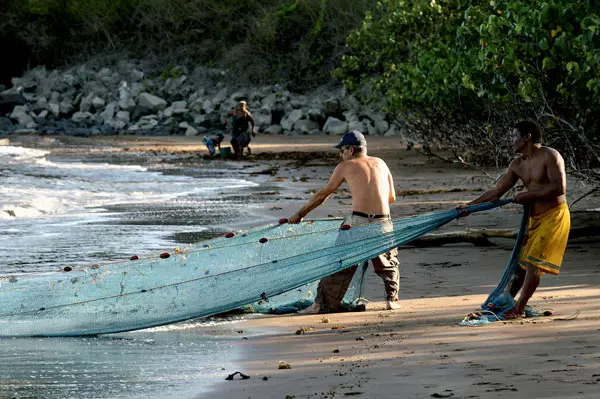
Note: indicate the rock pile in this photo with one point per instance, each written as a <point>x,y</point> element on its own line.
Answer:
<point>85,101</point>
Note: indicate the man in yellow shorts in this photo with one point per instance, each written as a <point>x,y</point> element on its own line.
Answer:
<point>542,171</point>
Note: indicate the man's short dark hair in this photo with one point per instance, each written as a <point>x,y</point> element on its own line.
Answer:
<point>530,128</point>
<point>357,148</point>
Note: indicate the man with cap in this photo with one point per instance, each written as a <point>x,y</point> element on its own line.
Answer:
<point>372,189</point>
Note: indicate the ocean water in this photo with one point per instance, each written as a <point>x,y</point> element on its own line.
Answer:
<point>181,361</point>
<point>73,210</point>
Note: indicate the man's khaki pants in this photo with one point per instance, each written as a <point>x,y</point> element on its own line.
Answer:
<point>332,288</point>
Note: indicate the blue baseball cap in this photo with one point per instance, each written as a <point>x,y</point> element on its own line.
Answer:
<point>352,138</point>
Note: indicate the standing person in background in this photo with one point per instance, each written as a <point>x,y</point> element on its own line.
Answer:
<point>240,138</point>
<point>372,189</point>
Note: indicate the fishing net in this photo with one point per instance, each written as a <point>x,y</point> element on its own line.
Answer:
<point>500,299</point>
<point>208,278</point>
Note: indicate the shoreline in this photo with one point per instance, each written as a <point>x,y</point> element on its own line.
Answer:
<point>418,350</point>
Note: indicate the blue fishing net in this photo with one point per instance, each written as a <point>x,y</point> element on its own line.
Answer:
<point>208,278</point>
<point>500,300</point>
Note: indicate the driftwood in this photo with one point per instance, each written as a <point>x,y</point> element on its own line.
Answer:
<point>477,237</point>
<point>481,237</point>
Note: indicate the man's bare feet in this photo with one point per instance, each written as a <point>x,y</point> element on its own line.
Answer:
<point>312,309</point>
<point>512,314</point>
<point>392,304</point>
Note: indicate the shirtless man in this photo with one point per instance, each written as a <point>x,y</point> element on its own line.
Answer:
<point>372,189</point>
<point>542,171</point>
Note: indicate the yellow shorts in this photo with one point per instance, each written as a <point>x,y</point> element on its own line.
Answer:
<point>547,239</point>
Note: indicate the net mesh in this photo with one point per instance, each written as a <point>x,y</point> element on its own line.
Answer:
<point>212,277</point>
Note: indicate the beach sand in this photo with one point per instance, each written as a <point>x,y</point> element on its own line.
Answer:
<point>418,351</point>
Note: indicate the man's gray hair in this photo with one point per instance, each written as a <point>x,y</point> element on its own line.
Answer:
<point>357,148</point>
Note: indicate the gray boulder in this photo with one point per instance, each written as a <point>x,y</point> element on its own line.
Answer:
<point>191,131</point>
<point>116,124</point>
<point>239,95</point>
<point>54,108</point>
<point>66,107</point>
<point>136,89</point>
<point>306,126</point>
<point>68,79</point>
<point>151,102</point>
<point>298,102</point>
<point>335,126</point>
<point>127,104</point>
<point>350,116</point>
<point>79,117</point>
<point>273,129</point>
<point>220,97</point>
<point>174,87</point>
<point>317,114</point>
<point>86,103</point>
<point>109,112</point>
<point>370,129</point>
<point>123,116</point>
<point>357,125</point>
<point>41,104</point>
<point>147,122</point>
<point>269,101</point>
<point>382,126</point>
<point>136,75</point>
<point>42,115</point>
<point>351,103</point>
<point>262,117</point>
<point>21,115</point>
<point>208,106</point>
<point>98,103</point>
<point>179,107</point>
<point>290,119</point>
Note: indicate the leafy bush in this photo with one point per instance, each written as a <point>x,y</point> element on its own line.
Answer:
<point>462,60</point>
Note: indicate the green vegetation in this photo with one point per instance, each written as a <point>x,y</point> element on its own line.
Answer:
<point>466,69</point>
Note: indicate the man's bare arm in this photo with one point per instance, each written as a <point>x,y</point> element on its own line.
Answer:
<point>505,183</point>
<point>557,181</point>
<point>336,179</point>
<point>252,123</point>
<point>392,190</point>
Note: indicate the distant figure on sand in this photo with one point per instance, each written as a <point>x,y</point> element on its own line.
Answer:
<point>372,189</point>
<point>240,138</point>
<point>542,171</point>
<point>213,143</point>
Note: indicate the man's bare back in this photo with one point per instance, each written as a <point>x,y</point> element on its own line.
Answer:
<point>370,183</point>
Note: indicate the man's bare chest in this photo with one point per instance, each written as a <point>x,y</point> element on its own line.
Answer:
<point>533,172</point>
